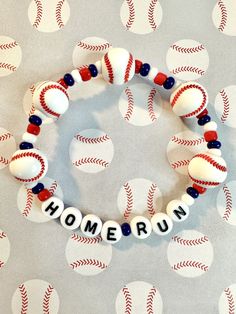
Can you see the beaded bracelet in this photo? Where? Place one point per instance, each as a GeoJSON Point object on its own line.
{"type": "Point", "coordinates": [206, 170]}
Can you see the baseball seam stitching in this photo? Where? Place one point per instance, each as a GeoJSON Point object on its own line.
{"type": "Point", "coordinates": [151, 112]}
{"type": "Point", "coordinates": [128, 68]}
{"type": "Point", "coordinates": [58, 13]}
{"type": "Point", "coordinates": [223, 15]}
{"type": "Point", "coordinates": [187, 68]}
{"type": "Point", "coordinates": [7, 66]}
{"type": "Point", "coordinates": [94, 140]}
{"type": "Point", "coordinates": [129, 197]}
{"type": "Point", "coordinates": [85, 240]}
{"type": "Point", "coordinates": [4, 160]}
{"type": "Point", "coordinates": [5, 136]}
{"type": "Point", "coordinates": [88, 262]}
{"type": "Point", "coordinates": [128, 300]}
{"type": "Point", "coordinates": [1, 264]}
{"type": "Point", "coordinates": [212, 162]}
{"type": "Point", "coordinates": [53, 187]}
{"type": "Point", "coordinates": [180, 163]}
{"type": "Point", "coordinates": [46, 299]}
{"type": "Point", "coordinates": [94, 47]}
{"type": "Point", "coordinates": [203, 182]}
{"type": "Point", "coordinates": [150, 198]}
{"type": "Point", "coordinates": [109, 68]}
{"type": "Point", "coordinates": [131, 14]}
{"type": "Point", "coordinates": [151, 14]}
{"type": "Point", "coordinates": [229, 202]}
{"type": "Point", "coordinates": [225, 100]}
{"type": "Point", "coordinates": [201, 240]}
{"type": "Point", "coordinates": [150, 297]}
{"type": "Point", "coordinates": [190, 263]}
{"type": "Point", "coordinates": [188, 50]}
{"type": "Point", "coordinates": [187, 142]}
{"type": "Point", "coordinates": [9, 45]}
{"type": "Point", "coordinates": [24, 299]}
{"type": "Point", "coordinates": [39, 14]}
{"type": "Point", "coordinates": [230, 300]}
{"type": "Point", "coordinates": [130, 100]}
{"type": "Point", "coordinates": [29, 201]}
{"type": "Point", "coordinates": [91, 160]}
{"type": "Point", "coordinates": [2, 235]}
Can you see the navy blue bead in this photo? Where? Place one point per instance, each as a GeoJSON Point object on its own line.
{"type": "Point", "coordinates": [68, 79]}
{"type": "Point", "coordinates": [145, 68]}
{"type": "Point", "coordinates": [214, 144]}
{"type": "Point", "coordinates": [125, 228]}
{"type": "Point", "coordinates": [169, 83]}
{"type": "Point", "coordinates": [203, 120]}
{"type": "Point", "coordinates": [26, 145]}
{"type": "Point", "coordinates": [93, 70]}
{"type": "Point", "coordinates": [192, 192]}
{"type": "Point", "coordinates": [35, 120]}
{"type": "Point", "coordinates": [38, 188]}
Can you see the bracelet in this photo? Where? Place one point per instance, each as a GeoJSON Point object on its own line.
{"type": "Point", "coordinates": [206, 170]}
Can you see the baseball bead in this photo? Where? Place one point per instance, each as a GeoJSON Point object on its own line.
{"type": "Point", "coordinates": [141, 227]}
{"type": "Point", "coordinates": [189, 100]}
{"type": "Point", "coordinates": [118, 66]}
{"type": "Point", "coordinates": [71, 218]}
{"type": "Point", "coordinates": [52, 207]}
{"type": "Point", "coordinates": [207, 170]}
{"type": "Point", "coordinates": [51, 99]}
{"type": "Point", "coordinates": [29, 165]}
{"type": "Point", "coordinates": [161, 223]}
{"type": "Point", "coordinates": [91, 225]}
{"type": "Point", "coordinates": [177, 210]}
{"type": "Point", "coordinates": [111, 232]}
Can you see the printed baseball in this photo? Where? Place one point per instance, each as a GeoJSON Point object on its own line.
{"type": "Point", "coordinates": [224, 17]}
{"type": "Point", "coordinates": [10, 55]}
{"type": "Point", "coordinates": [5, 248]}
{"type": "Point", "coordinates": [227, 300]}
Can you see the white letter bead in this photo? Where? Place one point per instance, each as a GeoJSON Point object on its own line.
{"type": "Point", "coordinates": [98, 65]}
{"type": "Point", "coordinates": [31, 138]}
{"type": "Point", "coordinates": [76, 76]}
{"type": "Point", "coordinates": [71, 218]}
{"type": "Point", "coordinates": [161, 223]}
{"type": "Point", "coordinates": [141, 227]}
{"type": "Point", "coordinates": [52, 207]}
{"type": "Point", "coordinates": [177, 210]}
{"type": "Point", "coordinates": [152, 74]}
{"type": "Point", "coordinates": [210, 126]}
{"type": "Point", "coordinates": [187, 199]}
{"type": "Point", "coordinates": [91, 225]}
{"type": "Point", "coordinates": [111, 231]}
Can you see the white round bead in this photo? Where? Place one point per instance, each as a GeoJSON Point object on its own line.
{"type": "Point", "coordinates": [207, 170]}
{"type": "Point", "coordinates": [210, 126]}
{"type": "Point", "coordinates": [187, 199]}
{"type": "Point", "coordinates": [91, 225]}
{"type": "Point", "coordinates": [215, 151]}
{"type": "Point", "coordinates": [71, 218]}
{"type": "Point", "coordinates": [28, 137]}
{"type": "Point", "coordinates": [152, 74]}
{"type": "Point", "coordinates": [51, 98]}
{"type": "Point", "coordinates": [141, 227]}
{"type": "Point", "coordinates": [177, 210]}
{"type": "Point", "coordinates": [76, 76]}
{"type": "Point", "coordinates": [161, 223]}
{"type": "Point", "coordinates": [111, 232]}
{"type": "Point", "coordinates": [98, 65]}
{"type": "Point", "coordinates": [29, 165]}
{"type": "Point", "coordinates": [52, 207]}
{"type": "Point", "coordinates": [189, 99]}
{"type": "Point", "coordinates": [118, 66]}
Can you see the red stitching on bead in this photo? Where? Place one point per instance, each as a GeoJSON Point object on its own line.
{"type": "Point", "coordinates": [9, 45]}
{"type": "Point", "coordinates": [86, 240]}
{"type": "Point", "coordinates": [229, 203]}
{"type": "Point", "coordinates": [129, 196]}
{"type": "Point", "coordinates": [7, 66]}
{"type": "Point", "coordinates": [224, 15]}
{"type": "Point", "coordinates": [188, 50]}
{"type": "Point", "coordinates": [151, 14]}
{"type": "Point", "coordinates": [38, 157]}
{"type": "Point", "coordinates": [151, 112]}
{"type": "Point", "coordinates": [131, 14]}
{"type": "Point", "coordinates": [4, 161]}
{"type": "Point", "coordinates": [91, 160]}
{"type": "Point", "coordinates": [94, 47]}
{"type": "Point", "coordinates": [212, 162]}
{"type": "Point", "coordinates": [2, 235]}
{"type": "Point", "coordinates": [183, 89]}
{"type": "Point", "coordinates": [188, 142]}
{"type": "Point", "coordinates": [88, 262]}
{"type": "Point", "coordinates": [58, 13]}
{"type": "Point", "coordinates": [94, 140]}
{"type": "Point", "coordinates": [194, 264]}
{"type": "Point", "coordinates": [209, 183]}
{"type": "Point", "coordinates": [46, 299]}
{"type": "Point", "coordinates": [230, 300]}
{"type": "Point", "coordinates": [128, 300]}
{"type": "Point", "coordinates": [150, 198]}
{"type": "Point", "coordinates": [187, 68]}
{"type": "Point", "coordinates": [129, 65]}
{"type": "Point", "coordinates": [225, 99]}
{"type": "Point", "coordinates": [39, 13]}
{"type": "Point", "coordinates": [150, 297]}
{"type": "Point", "coordinates": [24, 299]}
{"type": "Point", "coordinates": [42, 98]}
{"type": "Point", "coordinates": [192, 242]}
{"type": "Point", "coordinates": [180, 163]}
{"type": "Point", "coordinates": [109, 68]}
{"type": "Point", "coordinates": [130, 108]}
{"type": "Point", "coordinates": [29, 202]}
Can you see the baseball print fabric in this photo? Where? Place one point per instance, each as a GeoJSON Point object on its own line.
{"type": "Point", "coordinates": [118, 152]}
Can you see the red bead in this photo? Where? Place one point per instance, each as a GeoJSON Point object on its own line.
{"type": "Point", "coordinates": [203, 113]}
{"type": "Point", "coordinates": [160, 78]}
{"type": "Point", "coordinates": [85, 74]}
{"type": "Point", "coordinates": [200, 189]}
{"type": "Point", "coordinates": [33, 129]}
{"type": "Point", "coordinates": [44, 195]}
{"type": "Point", "coordinates": [210, 136]}
{"type": "Point", "coordinates": [138, 65]}
{"type": "Point", "coordinates": [62, 82]}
